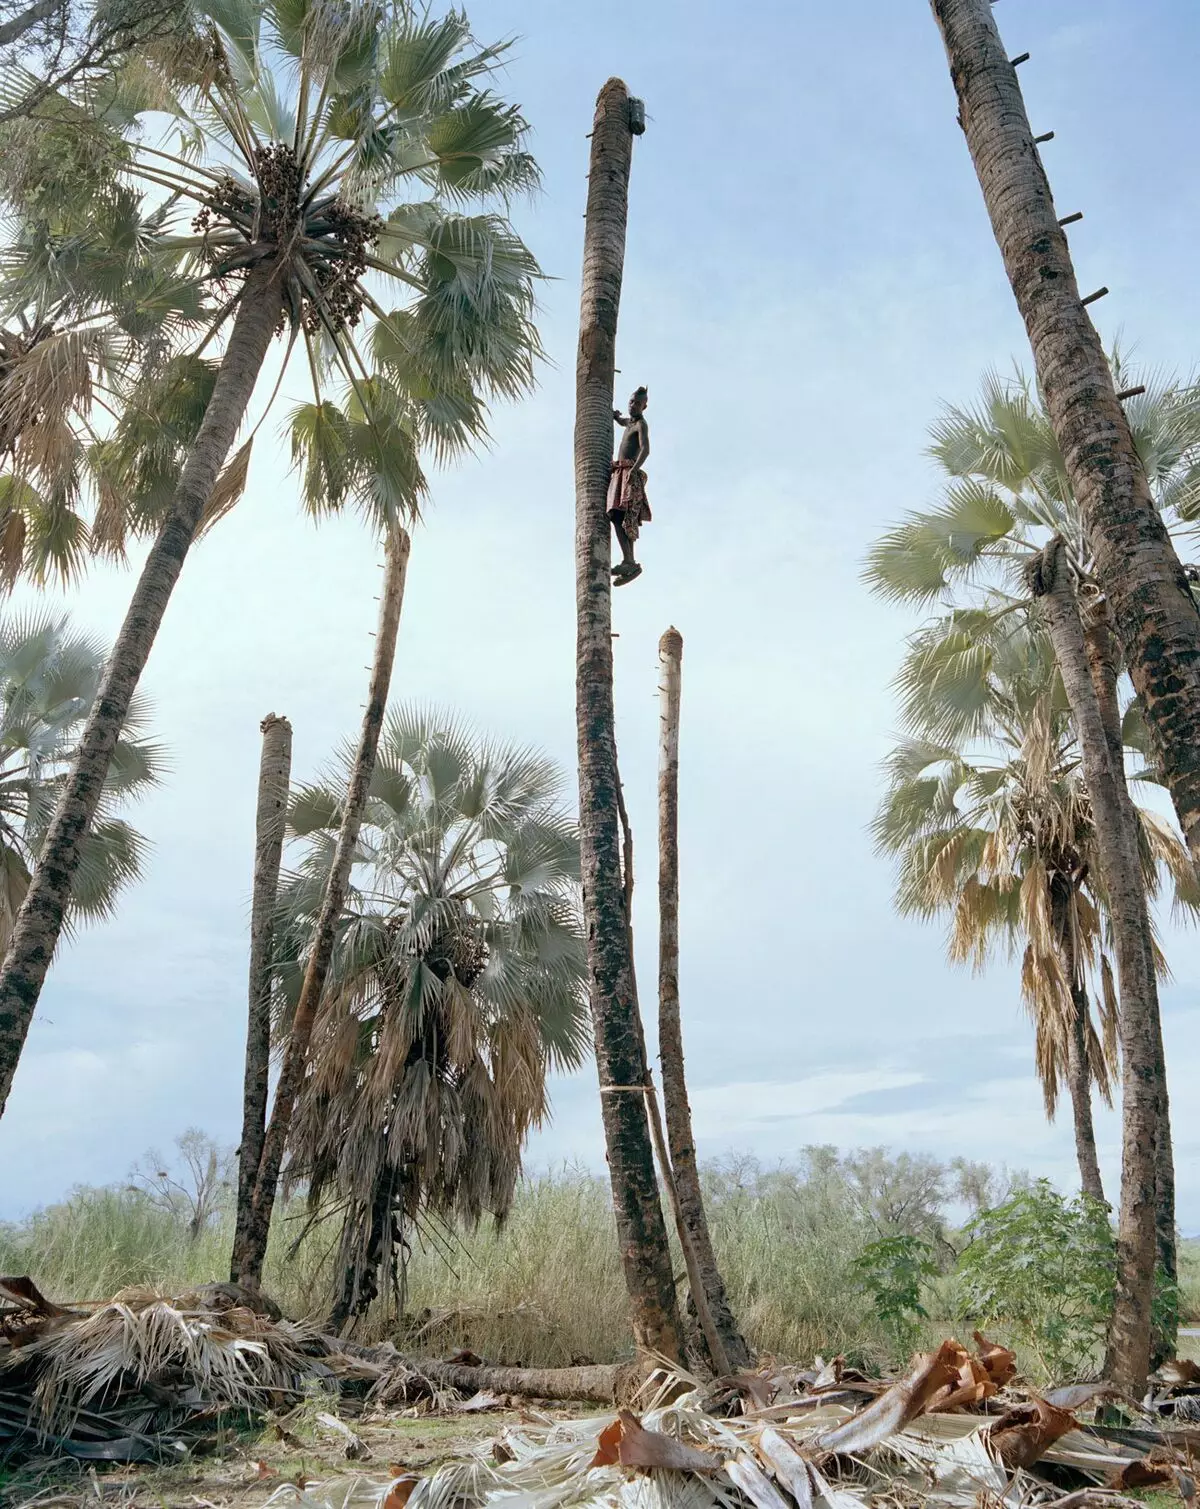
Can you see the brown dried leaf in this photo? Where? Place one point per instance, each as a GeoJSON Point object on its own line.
{"type": "Point", "coordinates": [400, 1492]}
{"type": "Point", "coordinates": [903, 1402]}
{"type": "Point", "coordinates": [1020, 1437]}
{"type": "Point", "coordinates": [1142, 1474]}
{"type": "Point", "coordinates": [608, 1446]}
{"type": "Point", "coordinates": [999, 1362]}
{"type": "Point", "coordinates": [628, 1442]}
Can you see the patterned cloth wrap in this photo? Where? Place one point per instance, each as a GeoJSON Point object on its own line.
{"type": "Point", "coordinates": [627, 501]}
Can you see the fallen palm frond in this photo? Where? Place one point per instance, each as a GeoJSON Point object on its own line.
{"type": "Point", "coordinates": [132, 1378]}
{"type": "Point", "coordinates": [944, 1434]}
{"type": "Point", "coordinates": [143, 1376]}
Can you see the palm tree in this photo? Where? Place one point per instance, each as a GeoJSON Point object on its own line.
{"type": "Point", "coordinates": [621, 1064]}
{"type": "Point", "coordinates": [1010, 490]}
{"type": "Point", "coordinates": [302, 124]}
{"type": "Point", "coordinates": [457, 982]}
{"type": "Point", "coordinates": [990, 821]}
{"type": "Point", "coordinates": [48, 679]}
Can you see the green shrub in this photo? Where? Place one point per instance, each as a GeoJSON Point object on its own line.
{"type": "Point", "coordinates": [1042, 1267]}
{"type": "Point", "coordinates": [893, 1271]}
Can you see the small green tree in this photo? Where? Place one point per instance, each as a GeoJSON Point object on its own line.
{"type": "Point", "coordinates": [1043, 1267]}
{"type": "Point", "coordinates": [892, 1271]}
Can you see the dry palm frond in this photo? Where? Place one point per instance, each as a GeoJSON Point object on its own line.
{"type": "Point", "coordinates": [894, 1443]}
{"type": "Point", "coordinates": [234, 1359]}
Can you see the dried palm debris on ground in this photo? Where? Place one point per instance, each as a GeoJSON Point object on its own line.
{"type": "Point", "coordinates": [144, 1378]}
{"type": "Point", "coordinates": [951, 1432]}
{"type": "Point", "coordinates": [138, 1377]}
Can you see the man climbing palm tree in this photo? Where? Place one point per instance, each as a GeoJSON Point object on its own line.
{"type": "Point", "coordinates": [628, 507]}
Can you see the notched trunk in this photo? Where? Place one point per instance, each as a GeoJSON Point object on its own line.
{"type": "Point", "coordinates": [620, 1047]}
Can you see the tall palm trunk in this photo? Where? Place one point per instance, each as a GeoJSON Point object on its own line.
{"type": "Point", "coordinates": [270, 820]}
{"type": "Point", "coordinates": [40, 919]}
{"type": "Point", "coordinates": [1079, 1082]}
{"type": "Point", "coordinates": [1156, 617]}
{"type": "Point", "coordinates": [680, 1141]}
{"type": "Point", "coordinates": [620, 1048]}
{"type": "Point", "coordinates": [1102, 665]}
{"type": "Point", "coordinates": [1130, 1334]}
{"type": "Point", "coordinates": [295, 1060]}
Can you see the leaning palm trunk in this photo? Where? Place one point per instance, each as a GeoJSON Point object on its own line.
{"type": "Point", "coordinates": [295, 1061]}
{"type": "Point", "coordinates": [620, 1048]}
{"type": "Point", "coordinates": [40, 919]}
{"type": "Point", "coordinates": [1142, 1091]}
{"type": "Point", "coordinates": [274, 776]}
{"type": "Point", "coordinates": [1135, 562]}
{"type": "Point", "coordinates": [678, 1113]}
{"type": "Point", "coordinates": [1079, 1083]}
{"type": "Point", "coordinates": [1102, 666]}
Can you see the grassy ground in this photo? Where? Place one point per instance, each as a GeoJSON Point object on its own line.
{"type": "Point", "coordinates": [545, 1290]}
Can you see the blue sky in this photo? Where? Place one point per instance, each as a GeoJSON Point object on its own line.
{"type": "Point", "coordinates": [810, 273]}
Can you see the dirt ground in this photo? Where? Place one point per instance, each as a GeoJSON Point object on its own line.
{"type": "Point", "coordinates": [242, 1471]}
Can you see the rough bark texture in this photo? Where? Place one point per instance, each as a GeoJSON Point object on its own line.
{"type": "Point", "coordinates": [620, 1048]}
{"type": "Point", "coordinates": [40, 919]}
{"type": "Point", "coordinates": [1102, 665]}
{"type": "Point", "coordinates": [1128, 1359]}
{"type": "Point", "coordinates": [1079, 1082]}
{"type": "Point", "coordinates": [603, 1383]}
{"type": "Point", "coordinates": [1156, 618]}
{"type": "Point", "coordinates": [295, 1059]}
{"type": "Point", "coordinates": [734, 1353]}
{"type": "Point", "coordinates": [12, 31]}
{"type": "Point", "coordinates": [270, 820]}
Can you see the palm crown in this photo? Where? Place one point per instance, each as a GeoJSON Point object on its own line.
{"type": "Point", "coordinates": [993, 825]}
{"type": "Point", "coordinates": [343, 145]}
{"type": "Point", "coordinates": [458, 979]}
{"type": "Point", "coordinates": [48, 678]}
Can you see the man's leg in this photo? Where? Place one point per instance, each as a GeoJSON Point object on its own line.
{"type": "Point", "coordinates": [627, 562]}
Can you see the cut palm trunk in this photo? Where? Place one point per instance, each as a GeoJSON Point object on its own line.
{"type": "Point", "coordinates": [40, 920]}
{"type": "Point", "coordinates": [1156, 618]}
{"type": "Point", "coordinates": [1129, 1347]}
{"type": "Point", "coordinates": [274, 778]}
{"type": "Point", "coordinates": [620, 1046]}
{"type": "Point", "coordinates": [295, 1061]}
{"type": "Point", "coordinates": [734, 1354]}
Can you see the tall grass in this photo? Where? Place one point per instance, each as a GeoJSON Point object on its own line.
{"type": "Point", "coordinates": [545, 1289]}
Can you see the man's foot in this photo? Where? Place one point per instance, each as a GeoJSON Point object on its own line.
{"type": "Point", "coordinates": [626, 572]}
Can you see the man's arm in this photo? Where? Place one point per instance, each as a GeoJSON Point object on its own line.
{"type": "Point", "coordinates": [644, 443]}
{"type": "Point", "coordinates": [619, 418]}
